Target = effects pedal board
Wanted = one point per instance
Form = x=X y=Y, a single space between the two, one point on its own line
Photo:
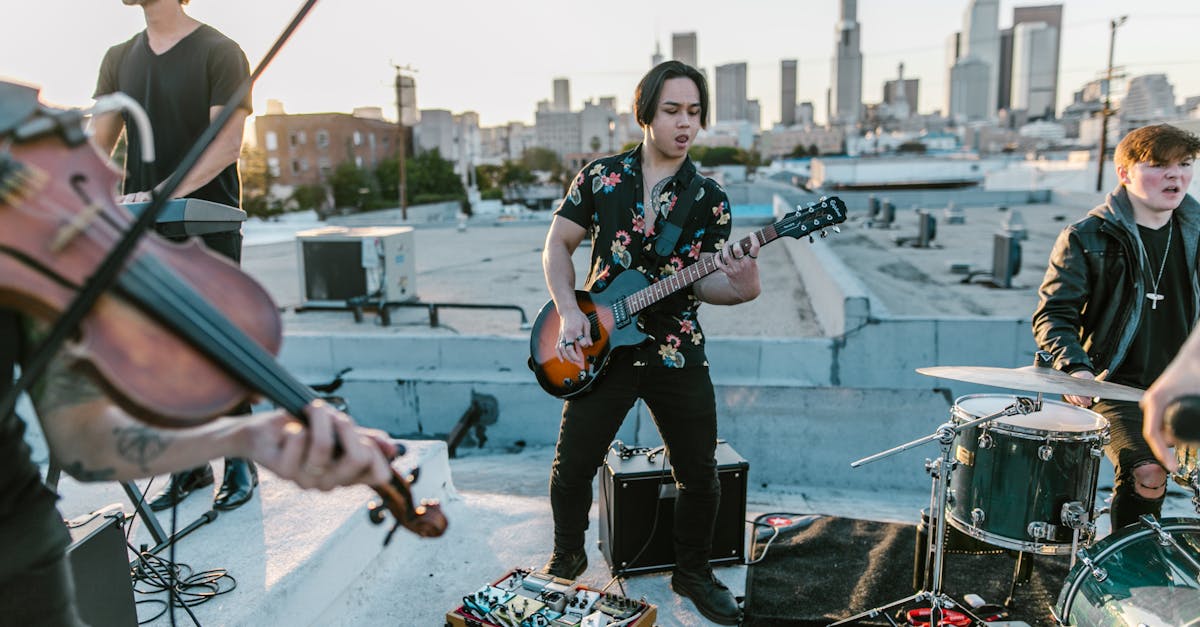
x=526 y=599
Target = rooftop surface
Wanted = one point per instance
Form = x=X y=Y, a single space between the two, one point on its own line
x=497 y=499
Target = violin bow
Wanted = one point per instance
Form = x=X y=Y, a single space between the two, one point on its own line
x=110 y=268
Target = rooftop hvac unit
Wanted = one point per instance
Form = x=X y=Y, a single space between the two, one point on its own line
x=339 y=263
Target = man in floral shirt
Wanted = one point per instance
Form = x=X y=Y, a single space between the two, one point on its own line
x=621 y=203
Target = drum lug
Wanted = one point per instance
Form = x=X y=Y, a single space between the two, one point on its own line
x=1045 y=452
x=1098 y=573
x=985 y=440
x=977 y=517
x=1040 y=530
x=1074 y=516
x=1097 y=452
x=1164 y=537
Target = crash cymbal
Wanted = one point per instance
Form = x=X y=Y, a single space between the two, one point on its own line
x=1034 y=379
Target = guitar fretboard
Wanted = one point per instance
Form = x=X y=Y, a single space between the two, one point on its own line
x=651 y=294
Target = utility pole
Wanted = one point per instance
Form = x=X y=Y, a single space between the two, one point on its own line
x=403 y=83
x=1112 y=38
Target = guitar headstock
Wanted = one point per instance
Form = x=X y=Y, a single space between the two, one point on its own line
x=813 y=218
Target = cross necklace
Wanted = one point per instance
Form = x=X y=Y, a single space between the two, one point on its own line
x=1154 y=296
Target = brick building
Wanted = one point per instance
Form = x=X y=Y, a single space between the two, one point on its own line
x=305 y=148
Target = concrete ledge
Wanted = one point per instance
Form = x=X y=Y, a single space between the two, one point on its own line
x=838 y=297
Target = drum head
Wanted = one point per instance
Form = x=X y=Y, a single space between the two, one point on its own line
x=1055 y=416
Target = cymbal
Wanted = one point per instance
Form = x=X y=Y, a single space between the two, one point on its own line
x=1034 y=379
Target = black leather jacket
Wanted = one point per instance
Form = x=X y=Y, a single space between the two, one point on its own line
x=1091 y=296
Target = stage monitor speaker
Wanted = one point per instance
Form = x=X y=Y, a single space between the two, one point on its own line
x=339 y=263
x=636 y=489
x=100 y=567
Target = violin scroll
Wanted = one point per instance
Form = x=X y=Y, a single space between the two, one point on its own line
x=424 y=518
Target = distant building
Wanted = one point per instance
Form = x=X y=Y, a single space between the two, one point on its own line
x=560 y=131
x=598 y=127
x=730 y=91
x=1149 y=98
x=953 y=54
x=804 y=114
x=845 y=106
x=305 y=148
x=969 y=95
x=981 y=41
x=780 y=142
x=457 y=139
x=657 y=57
x=683 y=48
x=1050 y=15
x=562 y=94
x=787 y=92
x=1034 y=69
x=754 y=113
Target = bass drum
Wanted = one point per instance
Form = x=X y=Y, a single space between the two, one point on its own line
x=1145 y=574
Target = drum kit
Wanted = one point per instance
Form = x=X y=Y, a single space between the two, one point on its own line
x=1020 y=473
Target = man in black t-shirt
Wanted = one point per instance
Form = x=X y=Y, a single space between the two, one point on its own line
x=182 y=72
x=1121 y=294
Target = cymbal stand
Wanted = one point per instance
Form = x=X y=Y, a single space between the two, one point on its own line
x=940 y=473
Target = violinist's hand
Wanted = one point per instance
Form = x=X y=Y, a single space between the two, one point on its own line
x=125 y=199
x=304 y=453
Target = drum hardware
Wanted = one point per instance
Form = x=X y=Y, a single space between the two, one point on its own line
x=1147 y=573
x=977 y=516
x=985 y=439
x=940 y=494
x=1035 y=379
x=1045 y=452
x=1040 y=530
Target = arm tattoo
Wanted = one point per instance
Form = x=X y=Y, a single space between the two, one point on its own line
x=77 y=470
x=139 y=444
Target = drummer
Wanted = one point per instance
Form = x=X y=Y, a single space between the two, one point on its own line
x=1120 y=297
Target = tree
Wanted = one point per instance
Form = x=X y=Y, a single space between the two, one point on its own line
x=256 y=184
x=309 y=197
x=912 y=146
x=813 y=150
x=432 y=178
x=352 y=186
x=798 y=151
x=542 y=159
x=595 y=144
x=387 y=176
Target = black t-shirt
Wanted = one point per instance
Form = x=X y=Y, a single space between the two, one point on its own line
x=177 y=89
x=31 y=529
x=1163 y=327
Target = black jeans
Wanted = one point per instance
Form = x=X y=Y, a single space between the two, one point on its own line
x=683 y=405
x=1127 y=450
x=44 y=596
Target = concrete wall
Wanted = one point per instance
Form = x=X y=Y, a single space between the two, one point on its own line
x=438 y=212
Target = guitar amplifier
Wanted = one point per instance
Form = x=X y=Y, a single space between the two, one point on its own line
x=100 y=567
x=636 y=489
x=338 y=263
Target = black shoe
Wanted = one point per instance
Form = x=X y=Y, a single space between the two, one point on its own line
x=566 y=564
x=182 y=484
x=708 y=594
x=238 y=486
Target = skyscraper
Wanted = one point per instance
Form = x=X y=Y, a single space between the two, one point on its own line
x=1051 y=15
x=845 y=102
x=731 y=92
x=562 y=94
x=787 y=92
x=981 y=30
x=657 y=57
x=1033 y=63
x=683 y=48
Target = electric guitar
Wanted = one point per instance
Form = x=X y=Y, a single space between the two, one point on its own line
x=612 y=312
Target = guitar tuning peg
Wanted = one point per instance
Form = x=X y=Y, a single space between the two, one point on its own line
x=824 y=234
x=837 y=229
x=822 y=199
x=811 y=239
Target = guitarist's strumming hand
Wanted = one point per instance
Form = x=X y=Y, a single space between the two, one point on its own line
x=574 y=335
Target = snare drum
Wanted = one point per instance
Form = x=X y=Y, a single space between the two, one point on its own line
x=1016 y=475
x=1137 y=576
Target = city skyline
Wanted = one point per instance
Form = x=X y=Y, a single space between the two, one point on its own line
x=499 y=62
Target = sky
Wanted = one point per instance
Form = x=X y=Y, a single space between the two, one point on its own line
x=500 y=58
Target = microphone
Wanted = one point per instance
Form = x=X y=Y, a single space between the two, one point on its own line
x=1182 y=417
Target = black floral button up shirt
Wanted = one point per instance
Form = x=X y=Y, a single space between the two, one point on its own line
x=606 y=199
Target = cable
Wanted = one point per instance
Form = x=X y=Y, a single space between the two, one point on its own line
x=186 y=588
x=766 y=546
x=625 y=453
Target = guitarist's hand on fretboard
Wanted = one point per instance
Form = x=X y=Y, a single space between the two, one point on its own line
x=737 y=279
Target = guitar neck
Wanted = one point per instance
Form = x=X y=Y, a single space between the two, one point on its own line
x=651 y=294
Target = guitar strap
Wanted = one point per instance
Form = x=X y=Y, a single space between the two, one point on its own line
x=668 y=237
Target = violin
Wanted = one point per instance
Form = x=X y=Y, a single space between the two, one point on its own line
x=184 y=335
